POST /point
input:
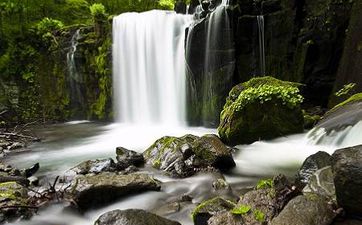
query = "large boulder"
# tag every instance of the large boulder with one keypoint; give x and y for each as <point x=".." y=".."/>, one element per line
<point x="183" y="156"/>
<point x="262" y="108"/>
<point x="132" y="217"/>
<point x="91" y="191"/>
<point x="310" y="166"/>
<point x="127" y="158"/>
<point x="94" y="166"/>
<point x="305" y="209"/>
<point x="347" y="168"/>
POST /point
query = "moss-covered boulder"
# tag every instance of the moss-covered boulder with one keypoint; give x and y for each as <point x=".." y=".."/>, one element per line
<point x="261" y="108"/>
<point x="14" y="203"/>
<point x="183" y="156"/>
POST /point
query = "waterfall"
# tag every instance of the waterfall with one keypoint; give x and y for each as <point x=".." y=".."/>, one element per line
<point x="260" y="20"/>
<point x="74" y="77"/>
<point x="149" y="67"/>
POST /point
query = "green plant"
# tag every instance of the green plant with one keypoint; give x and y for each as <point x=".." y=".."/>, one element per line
<point x="262" y="184"/>
<point x="166" y="4"/>
<point x="259" y="215"/>
<point x="98" y="11"/>
<point x="347" y="88"/>
<point x="241" y="210"/>
<point x="47" y="25"/>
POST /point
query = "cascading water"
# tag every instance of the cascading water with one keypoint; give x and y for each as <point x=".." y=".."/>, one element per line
<point x="260" y="20"/>
<point x="74" y="77"/>
<point x="149" y="67"/>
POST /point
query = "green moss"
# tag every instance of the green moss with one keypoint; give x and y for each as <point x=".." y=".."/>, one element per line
<point x="213" y="205"/>
<point x="263" y="184"/>
<point x="259" y="215"/>
<point x="354" y="98"/>
<point x="157" y="149"/>
<point x="241" y="210"/>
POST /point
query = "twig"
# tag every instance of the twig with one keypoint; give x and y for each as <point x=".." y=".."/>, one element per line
<point x="19" y="206"/>
<point x="22" y="136"/>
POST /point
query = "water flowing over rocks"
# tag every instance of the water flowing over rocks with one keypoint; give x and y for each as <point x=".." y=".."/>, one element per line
<point x="90" y="191"/>
<point x="132" y="217"/>
<point x="347" y="169"/>
<point x="183" y="156"/>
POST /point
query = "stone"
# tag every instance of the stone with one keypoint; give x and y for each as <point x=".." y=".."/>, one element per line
<point x="321" y="183"/>
<point x="95" y="166"/>
<point x="91" y="191"/>
<point x="310" y="166"/>
<point x="265" y="108"/>
<point x="183" y="156"/>
<point x="132" y="217"/>
<point x="12" y="197"/>
<point x="305" y="209"/>
<point x="126" y="158"/>
<point x="347" y="169"/>
<point x="205" y="210"/>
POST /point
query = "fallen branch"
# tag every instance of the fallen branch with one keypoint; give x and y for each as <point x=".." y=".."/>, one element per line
<point x="22" y="136"/>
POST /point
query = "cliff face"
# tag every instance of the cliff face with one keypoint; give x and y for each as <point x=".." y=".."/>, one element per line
<point x="303" y="42"/>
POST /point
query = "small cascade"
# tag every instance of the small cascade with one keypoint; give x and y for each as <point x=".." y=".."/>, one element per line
<point x="149" y="67"/>
<point x="74" y="77"/>
<point x="260" y="20"/>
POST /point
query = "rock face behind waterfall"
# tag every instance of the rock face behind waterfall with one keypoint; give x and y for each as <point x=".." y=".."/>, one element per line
<point x="262" y="108"/>
<point x="183" y="156"/>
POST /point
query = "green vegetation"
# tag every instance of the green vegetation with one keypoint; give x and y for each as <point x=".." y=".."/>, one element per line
<point x="346" y="89"/>
<point x="354" y="98"/>
<point x="267" y="183"/>
<point x="259" y="215"/>
<point x="241" y="210"/>
<point x="262" y="108"/>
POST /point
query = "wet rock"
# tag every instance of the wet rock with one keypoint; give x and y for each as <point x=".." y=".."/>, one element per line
<point x="204" y="211"/>
<point x="95" y="166"/>
<point x="347" y="222"/>
<point x="14" y="202"/>
<point x="305" y="209"/>
<point x="310" y="166"/>
<point x="321" y="183"/>
<point x="347" y="169"/>
<point x="259" y="111"/>
<point x="126" y="158"/>
<point x="228" y="218"/>
<point x="174" y="206"/>
<point x="34" y="181"/>
<point x="132" y="217"/>
<point x="182" y="157"/>
<point x="31" y="170"/>
<point x="90" y="191"/>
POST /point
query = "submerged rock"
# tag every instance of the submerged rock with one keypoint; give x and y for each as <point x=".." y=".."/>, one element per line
<point x="310" y="166"/>
<point x="183" y="156"/>
<point x="305" y="209"/>
<point x="90" y="191"/>
<point x="347" y="169"/>
<point x="132" y="217"/>
<point x="262" y="108"/>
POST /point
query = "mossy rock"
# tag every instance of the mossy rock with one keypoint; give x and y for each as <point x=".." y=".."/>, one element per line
<point x="353" y="99"/>
<point x="208" y="208"/>
<point x="14" y="202"/>
<point x="183" y="156"/>
<point x="261" y="108"/>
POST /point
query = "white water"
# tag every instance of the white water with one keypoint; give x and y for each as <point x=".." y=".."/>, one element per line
<point x="260" y="20"/>
<point x="149" y="67"/>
